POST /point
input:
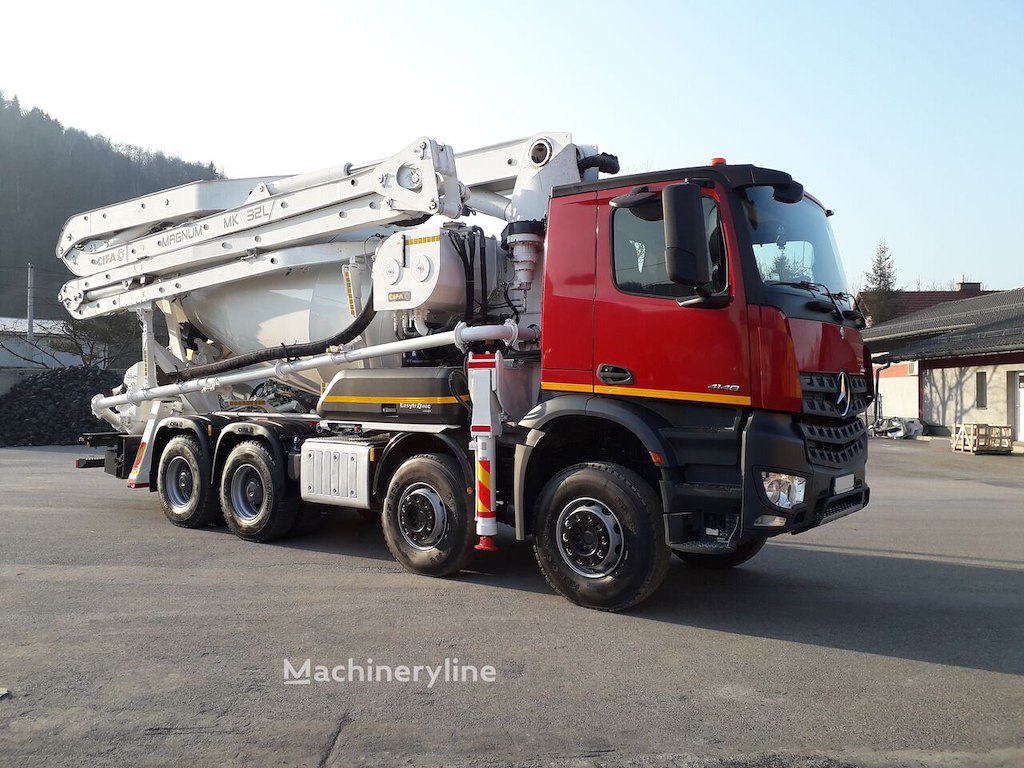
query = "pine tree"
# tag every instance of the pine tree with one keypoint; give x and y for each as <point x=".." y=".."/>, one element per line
<point x="884" y="299"/>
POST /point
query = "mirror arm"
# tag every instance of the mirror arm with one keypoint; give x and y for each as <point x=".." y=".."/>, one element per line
<point x="712" y="301"/>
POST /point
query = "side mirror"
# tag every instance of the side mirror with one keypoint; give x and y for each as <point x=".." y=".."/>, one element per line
<point x="793" y="192"/>
<point x="636" y="197"/>
<point x="687" y="257"/>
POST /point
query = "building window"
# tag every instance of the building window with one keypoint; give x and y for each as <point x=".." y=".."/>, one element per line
<point x="981" y="381"/>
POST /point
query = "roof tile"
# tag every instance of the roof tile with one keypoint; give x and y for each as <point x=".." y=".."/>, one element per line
<point x="988" y="324"/>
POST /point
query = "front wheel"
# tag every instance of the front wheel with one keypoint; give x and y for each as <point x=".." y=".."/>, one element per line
<point x="599" y="536"/>
<point x="720" y="562"/>
<point x="254" y="495"/>
<point x="426" y="519"/>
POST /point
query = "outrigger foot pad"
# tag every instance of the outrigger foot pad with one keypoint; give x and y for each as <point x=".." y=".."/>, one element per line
<point x="487" y="544"/>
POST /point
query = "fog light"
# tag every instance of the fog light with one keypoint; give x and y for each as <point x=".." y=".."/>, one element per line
<point x="770" y="521"/>
<point x="783" y="491"/>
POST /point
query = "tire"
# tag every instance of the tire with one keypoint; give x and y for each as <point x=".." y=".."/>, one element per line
<point x="720" y="562"/>
<point x="188" y="498"/>
<point x="253" y="494"/>
<point x="611" y="552"/>
<point x="427" y="521"/>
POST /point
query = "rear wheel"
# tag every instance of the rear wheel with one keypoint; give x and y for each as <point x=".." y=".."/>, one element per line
<point x="426" y="519"/>
<point x="183" y="484"/>
<point x="599" y="536"/>
<point x="253" y="493"/>
<point x="720" y="562"/>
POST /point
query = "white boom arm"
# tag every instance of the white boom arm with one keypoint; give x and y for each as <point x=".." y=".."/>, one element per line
<point x="256" y="263"/>
<point x="120" y="275"/>
<point x="127" y="257"/>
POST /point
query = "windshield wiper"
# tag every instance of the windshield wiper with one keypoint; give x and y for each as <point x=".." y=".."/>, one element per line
<point x="807" y="285"/>
<point x="814" y="289"/>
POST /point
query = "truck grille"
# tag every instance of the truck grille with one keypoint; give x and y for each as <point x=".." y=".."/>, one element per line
<point x="834" y="445"/>
<point x="832" y="440"/>
<point x="819" y="394"/>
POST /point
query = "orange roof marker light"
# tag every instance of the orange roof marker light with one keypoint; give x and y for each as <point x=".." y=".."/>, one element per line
<point x="718" y="161"/>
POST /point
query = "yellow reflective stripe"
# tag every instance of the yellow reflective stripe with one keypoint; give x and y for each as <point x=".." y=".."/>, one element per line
<point x="657" y="394"/>
<point x="559" y="386"/>
<point x="671" y="394"/>
<point x="346" y="271"/>
<point x="358" y="399"/>
<point x="422" y="240"/>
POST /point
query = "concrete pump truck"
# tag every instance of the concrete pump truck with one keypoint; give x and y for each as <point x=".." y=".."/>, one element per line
<point x="640" y="366"/>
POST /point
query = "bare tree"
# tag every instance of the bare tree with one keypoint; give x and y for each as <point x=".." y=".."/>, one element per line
<point x="100" y="342"/>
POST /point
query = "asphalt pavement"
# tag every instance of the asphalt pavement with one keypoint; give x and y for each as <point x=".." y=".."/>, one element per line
<point x="891" y="637"/>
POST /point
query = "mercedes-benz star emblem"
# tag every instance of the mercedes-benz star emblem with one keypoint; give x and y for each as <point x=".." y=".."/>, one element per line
<point x="844" y="400"/>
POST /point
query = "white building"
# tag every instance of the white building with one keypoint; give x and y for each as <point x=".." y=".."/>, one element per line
<point x="958" y="362"/>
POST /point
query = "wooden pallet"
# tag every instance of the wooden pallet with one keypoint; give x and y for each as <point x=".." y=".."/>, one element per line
<point x="982" y="438"/>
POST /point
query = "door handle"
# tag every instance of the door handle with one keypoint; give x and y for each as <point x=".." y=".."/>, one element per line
<point x="615" y="374"/>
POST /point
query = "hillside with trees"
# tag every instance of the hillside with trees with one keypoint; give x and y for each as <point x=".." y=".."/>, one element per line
<point x="49" y="172"/>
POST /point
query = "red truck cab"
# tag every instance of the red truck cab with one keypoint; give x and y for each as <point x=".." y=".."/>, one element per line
<point x="698" y="329"/>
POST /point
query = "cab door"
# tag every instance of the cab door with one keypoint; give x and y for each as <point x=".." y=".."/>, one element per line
<point x="648" y="343"/>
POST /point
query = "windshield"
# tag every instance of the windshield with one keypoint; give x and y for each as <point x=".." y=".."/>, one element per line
<point x="792" y="242"/>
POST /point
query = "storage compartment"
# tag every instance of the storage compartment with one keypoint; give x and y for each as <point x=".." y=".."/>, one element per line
<point x="402" y="395"/>
<point x="336" y="471"/>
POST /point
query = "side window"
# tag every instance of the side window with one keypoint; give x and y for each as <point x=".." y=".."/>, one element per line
<point x="638" y="251"/>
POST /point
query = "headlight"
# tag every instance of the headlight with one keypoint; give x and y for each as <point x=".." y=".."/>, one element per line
<point x="783" y="491"/>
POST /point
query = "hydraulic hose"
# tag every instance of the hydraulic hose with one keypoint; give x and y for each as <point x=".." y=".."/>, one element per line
<point x="604" y="162"/>
<point x="480" y="247"/>
<point x="362" y="320"/>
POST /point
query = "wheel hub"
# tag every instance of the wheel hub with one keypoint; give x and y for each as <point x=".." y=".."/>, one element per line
<point x="589" y="538"/>
<point x="247" y="492"/>
<point x="422" y="516"/>
<point x="182" y="483"/>
<point x="254" y="492"/>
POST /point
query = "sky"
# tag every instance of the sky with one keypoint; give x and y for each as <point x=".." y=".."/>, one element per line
<point x="903" y="117"/>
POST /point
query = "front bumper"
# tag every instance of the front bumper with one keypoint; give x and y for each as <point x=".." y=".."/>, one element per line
<point x="776" y="442"/>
